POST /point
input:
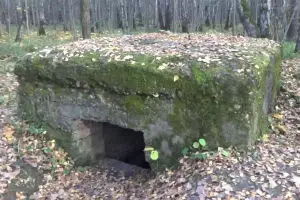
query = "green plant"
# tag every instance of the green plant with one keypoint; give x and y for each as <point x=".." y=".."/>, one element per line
<point x="198" y="150"/>
<point x="154" y="154"/>
<point x="289" y="50"/>
<point x="36" y="129"/>
<point x="19" y="127"/>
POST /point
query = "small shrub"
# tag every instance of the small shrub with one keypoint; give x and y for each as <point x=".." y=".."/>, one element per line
<point x="198" y="150"/>
<point x="289" y="50"/>
<point x="36" y="129"/>
<point x="154" y="154"/>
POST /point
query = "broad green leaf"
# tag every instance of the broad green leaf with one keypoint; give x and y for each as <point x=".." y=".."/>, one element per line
<point x="81" y="169"/>
<point x="202" y="142"/>
<point x="205" y="155"/>
<point x="66" y="172"/>
<point x="185" y="151"/>
<point x="193" y="156"/>
<point x="154" y="155"/>
<point x="196" y="145"/>
<point x="47" y="150"/>
<point x="199" y="156"/>
<point x="225" y="153"/>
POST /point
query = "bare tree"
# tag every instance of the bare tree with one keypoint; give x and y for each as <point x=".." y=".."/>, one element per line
<point x="234" y="18"/>
<point x="20" y="19"/>
<point x="42" y="18"/>
<point x="85" y="18"/>
<point x="264" y="19"/>
<point x="27" y="15"/>
<point x="297" y="49"/>
<point x="246" y="17"/>
<point x="8" y="28"/>
<point x="291" y="30"/>
<point x="71" y="18"/>
<point x="33" y="13"/>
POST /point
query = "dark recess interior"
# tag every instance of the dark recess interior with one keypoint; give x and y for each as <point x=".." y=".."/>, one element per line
<point x="123" y="144"/>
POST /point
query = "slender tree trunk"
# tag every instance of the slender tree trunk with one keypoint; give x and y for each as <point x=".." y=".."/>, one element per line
<point x="42" y="18"/>
<point x="33" y="13"/>
<point x="1" y="15"/>
<point x="234" y="18"/>
<point x="288" y="26"/>
<point x="123" y="9"/>
<point x="8" y="29"/>
<point x="228" y="23"/>
<point x="168" y="20"/>
<point x="160" y="16"/>
<point x="175" y="15"/>
<point x="246" y="18"/>
<point x="71" y="19"/>
<point x="27" y="16"/>
<point x="66" y="22"/>
<point x="264" y="19"/>
<point x="20" y="19"/>
<point x="297" y="49"/>
<point x="85" y="18"/>
<point x="94" y="27"/>
<point x="291" y="33"/>
<point x="206" y="13"/>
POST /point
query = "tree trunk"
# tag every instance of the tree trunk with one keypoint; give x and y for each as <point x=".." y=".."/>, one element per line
<point x="160" y="16"/>
<point x="297" y="49"/>
<point x="33" y="13"/>
<point x="227" y="22"/>
<point x="71" y="19"/>
<point x="65" y="17"/>
<point x="1" y="15"/>
<point x="85" y="18"/>
<point x="234" y="18"/>
<point x="27" y="16"/>
<point x="264" y="19"/>
<point x="8" y="17"/>
<point x="292" y="29"/>
<point x="246" y="18"/>
<point x="94" y="27"/>
<point x="123" y="10"/>
<point x="20" y="19"/>
<point x="206" y="13"/>
<point x="42" y="18"/>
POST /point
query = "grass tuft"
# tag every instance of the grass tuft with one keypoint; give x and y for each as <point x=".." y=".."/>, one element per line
<point x="289" y="50"/>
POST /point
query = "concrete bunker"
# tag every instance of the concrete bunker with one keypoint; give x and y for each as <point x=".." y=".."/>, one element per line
<point x="112" y="141"/>
<point x="174" y="90"/>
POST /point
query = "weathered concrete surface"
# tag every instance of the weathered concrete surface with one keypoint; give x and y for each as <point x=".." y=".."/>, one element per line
<point x="174" y="88"/>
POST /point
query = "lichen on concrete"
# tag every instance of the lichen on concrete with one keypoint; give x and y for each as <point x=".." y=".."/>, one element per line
<point x="175" y="89"/>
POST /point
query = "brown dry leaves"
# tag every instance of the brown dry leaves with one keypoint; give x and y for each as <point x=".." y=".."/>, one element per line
<point x="8" y="169"/>
<point x="204" y="48"/>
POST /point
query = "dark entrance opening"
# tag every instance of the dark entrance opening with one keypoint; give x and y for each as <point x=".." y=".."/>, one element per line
<point x="123" y="144"/>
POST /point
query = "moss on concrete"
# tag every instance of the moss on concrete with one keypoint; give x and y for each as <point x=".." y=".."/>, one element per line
<point x="134" y="104"/>
<point x="218" y="102"/>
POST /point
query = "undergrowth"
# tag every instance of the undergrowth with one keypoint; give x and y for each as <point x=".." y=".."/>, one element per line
<point x="31" y="42"/>
<point x="289" y="50"/>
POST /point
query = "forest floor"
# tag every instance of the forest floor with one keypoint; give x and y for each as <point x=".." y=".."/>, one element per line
<point x="32" y="166"/>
